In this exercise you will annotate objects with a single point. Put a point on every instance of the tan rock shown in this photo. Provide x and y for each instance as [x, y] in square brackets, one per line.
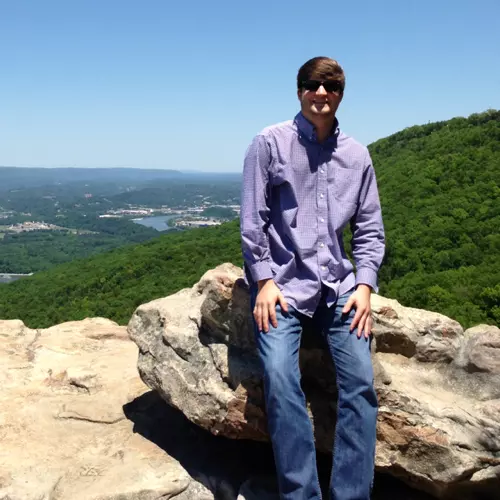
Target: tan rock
[63, 432]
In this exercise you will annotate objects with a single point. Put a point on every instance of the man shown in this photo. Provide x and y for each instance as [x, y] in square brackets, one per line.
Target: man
[304, 181]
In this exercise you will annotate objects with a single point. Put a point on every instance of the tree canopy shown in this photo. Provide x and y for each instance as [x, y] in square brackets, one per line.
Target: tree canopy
[440, 192]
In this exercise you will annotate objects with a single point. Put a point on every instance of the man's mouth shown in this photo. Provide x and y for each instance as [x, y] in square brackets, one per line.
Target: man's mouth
[320, 104]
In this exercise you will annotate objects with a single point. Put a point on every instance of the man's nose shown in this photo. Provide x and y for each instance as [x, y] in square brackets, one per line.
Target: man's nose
[321, 90]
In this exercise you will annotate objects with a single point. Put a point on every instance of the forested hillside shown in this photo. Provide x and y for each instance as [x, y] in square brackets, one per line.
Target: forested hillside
[33, 251]
[113, 284]
[440, 192]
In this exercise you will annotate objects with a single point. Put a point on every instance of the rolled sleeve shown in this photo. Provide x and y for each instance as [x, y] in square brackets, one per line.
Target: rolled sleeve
[261, 271]
[366, 276]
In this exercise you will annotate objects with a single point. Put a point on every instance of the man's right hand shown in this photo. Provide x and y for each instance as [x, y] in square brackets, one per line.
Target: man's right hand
[265, 305]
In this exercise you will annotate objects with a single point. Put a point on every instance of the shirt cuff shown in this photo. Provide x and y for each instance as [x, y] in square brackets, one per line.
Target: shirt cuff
[261, 271]
[367, 276]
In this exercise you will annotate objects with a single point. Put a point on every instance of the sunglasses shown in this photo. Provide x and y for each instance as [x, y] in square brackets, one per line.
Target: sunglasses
[329, 85]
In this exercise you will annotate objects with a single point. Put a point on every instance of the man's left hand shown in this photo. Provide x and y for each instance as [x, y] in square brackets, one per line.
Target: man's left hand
[360, 300]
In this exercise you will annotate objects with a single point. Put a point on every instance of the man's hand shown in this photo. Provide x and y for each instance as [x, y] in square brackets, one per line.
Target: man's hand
[265, 305]
[360, 299]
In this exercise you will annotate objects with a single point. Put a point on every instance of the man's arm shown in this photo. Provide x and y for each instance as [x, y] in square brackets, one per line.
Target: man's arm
[368, 247]
[254, 219]
[255, 208]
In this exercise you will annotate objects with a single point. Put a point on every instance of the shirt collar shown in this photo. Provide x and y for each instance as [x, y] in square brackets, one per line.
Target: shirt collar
[306, 128]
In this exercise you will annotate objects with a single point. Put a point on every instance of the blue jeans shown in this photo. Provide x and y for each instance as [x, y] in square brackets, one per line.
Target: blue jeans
[289, 424]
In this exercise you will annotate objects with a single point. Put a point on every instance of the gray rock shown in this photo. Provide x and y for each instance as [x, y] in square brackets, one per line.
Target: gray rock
[436, 426]
[483, 349]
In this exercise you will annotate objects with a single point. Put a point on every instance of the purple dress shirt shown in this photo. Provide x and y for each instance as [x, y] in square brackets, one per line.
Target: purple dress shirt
[297, 197]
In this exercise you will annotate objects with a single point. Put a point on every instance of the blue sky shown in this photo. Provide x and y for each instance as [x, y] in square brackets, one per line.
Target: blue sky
[186, 85]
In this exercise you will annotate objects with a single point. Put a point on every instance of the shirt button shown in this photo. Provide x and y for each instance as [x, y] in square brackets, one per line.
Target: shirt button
[322, 171]
[321, 245]
[321, 195]
[322, 220]
[323, 268]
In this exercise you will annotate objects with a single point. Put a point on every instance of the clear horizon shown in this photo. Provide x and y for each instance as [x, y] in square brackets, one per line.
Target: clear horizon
[187, 171]
[156, 85]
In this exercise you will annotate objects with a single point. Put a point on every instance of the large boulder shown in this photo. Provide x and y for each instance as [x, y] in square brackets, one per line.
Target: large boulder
[63, 431]
[438, 386]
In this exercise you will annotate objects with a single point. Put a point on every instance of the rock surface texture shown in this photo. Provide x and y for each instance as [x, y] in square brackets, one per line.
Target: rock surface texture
[438, 386]
[63, 431]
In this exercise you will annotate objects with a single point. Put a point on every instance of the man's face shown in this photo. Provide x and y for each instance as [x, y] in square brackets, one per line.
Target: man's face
[319, 103]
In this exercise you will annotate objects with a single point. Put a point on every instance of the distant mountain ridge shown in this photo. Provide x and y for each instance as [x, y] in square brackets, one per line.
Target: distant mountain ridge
[440, 191]
[25, 177]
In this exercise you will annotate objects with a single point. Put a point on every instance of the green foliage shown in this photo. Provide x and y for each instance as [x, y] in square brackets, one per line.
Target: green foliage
[440, 192]
[112, 285]
[34, 251]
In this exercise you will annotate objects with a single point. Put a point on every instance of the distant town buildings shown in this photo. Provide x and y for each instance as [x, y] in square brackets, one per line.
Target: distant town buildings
[183, 211]
[197, 223]
[7, 277]
[125, 212]
[33, 226]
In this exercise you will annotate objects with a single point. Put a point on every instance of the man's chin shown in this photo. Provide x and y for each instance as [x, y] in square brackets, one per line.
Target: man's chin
[323, 111]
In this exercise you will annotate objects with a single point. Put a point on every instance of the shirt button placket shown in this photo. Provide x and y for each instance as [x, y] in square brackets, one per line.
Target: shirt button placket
[323, 206]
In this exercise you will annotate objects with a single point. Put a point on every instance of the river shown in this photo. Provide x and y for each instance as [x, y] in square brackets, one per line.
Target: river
[158, 222]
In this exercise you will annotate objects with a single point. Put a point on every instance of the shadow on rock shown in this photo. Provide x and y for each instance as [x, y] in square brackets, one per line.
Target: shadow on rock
[220, 464]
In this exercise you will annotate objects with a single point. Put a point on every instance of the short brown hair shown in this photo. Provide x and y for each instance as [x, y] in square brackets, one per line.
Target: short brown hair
[320, 68]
